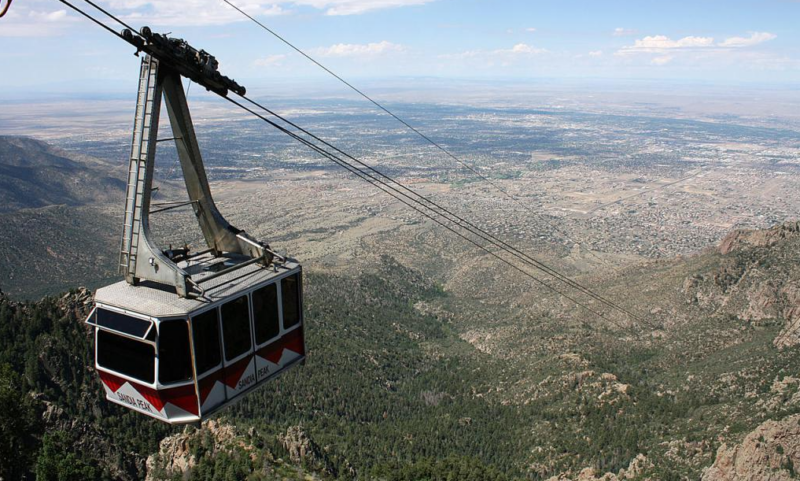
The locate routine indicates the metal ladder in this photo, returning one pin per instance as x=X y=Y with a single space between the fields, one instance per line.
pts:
x=138 y=169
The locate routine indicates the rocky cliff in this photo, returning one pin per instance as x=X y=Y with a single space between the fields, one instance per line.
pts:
x=635 y=470
x=739 y=240
x=769 y=453
x=755 y=277
x=217 y=448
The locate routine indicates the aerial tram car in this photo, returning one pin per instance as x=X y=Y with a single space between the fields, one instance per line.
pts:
x=188 y=333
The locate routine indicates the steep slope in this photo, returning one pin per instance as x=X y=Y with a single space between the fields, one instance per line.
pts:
x=46 y=250
x=723 y=357
x=752 y=276
x=760 y=280
x=56 y=227
x=769 y=453
x=407 y=380
x=379 y=375
x=60 y=218
x=35 y=174
x=704 y=370
x=67 y=431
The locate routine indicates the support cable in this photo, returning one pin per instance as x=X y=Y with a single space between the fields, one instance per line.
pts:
x=109 y=15
x=460 y=220
x=98 y=22
x=383 y=185
x=413 y=129
x=393 y=192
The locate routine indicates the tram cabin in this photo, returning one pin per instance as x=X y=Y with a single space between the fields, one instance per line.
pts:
x=181 y=359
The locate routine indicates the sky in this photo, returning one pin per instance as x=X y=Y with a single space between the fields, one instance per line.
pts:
x=48 y=47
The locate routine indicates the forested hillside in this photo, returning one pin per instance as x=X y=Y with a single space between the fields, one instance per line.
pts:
x=393 y=388
x=381 y=378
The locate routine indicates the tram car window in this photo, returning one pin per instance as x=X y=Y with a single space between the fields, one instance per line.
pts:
x=129 y=357
x=205 y=328
x=174 y=356
x=265 y=313
x=118 y=322
x=290 y=293
x=236 y=328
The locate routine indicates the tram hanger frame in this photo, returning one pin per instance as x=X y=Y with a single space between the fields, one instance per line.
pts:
x=140 y=258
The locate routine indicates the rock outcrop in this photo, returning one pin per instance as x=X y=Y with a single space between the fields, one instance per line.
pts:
x=176 y=457
x=300 y=446
x=635 y=470
x=769 y=453
x=303 y=450
x=181 y=454
x=740 y=239
x=754 y=278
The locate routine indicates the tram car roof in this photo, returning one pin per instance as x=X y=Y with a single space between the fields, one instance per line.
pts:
x=159 y=301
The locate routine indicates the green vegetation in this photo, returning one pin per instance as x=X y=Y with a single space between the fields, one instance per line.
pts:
x=18 y=426
x=384 y=382
x=53 y=420
x=392 y=391
x=58 y=462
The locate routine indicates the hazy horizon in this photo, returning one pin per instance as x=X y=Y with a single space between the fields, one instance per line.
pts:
x=714 y=42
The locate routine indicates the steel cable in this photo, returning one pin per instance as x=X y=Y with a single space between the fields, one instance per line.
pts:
x=414 y=197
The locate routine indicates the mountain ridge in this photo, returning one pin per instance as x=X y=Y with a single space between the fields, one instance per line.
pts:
x=34 y=174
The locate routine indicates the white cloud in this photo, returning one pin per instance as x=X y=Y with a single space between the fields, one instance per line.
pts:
x=623 y=32
x=522 y=48
x=596 y=53
x=269 y=61
x=358 y=50
x=215 y=12
x=693 y=50
x=467 y=54
x=663 y=60
x=530 y=30
x=200 y=13
x=516 y=56
x=355 y=7
x=754 y=39
x=48 y=16
x=23 y=21
x=661 y=43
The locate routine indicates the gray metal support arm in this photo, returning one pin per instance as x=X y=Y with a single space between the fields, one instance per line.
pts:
x=140 y=258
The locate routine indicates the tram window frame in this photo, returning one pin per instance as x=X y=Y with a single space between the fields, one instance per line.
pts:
x=122 y=323
x=291 y=302
x=112 y=347
x=229 y=333
x=174 y=353
x=262 y=321
x=203 y=350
